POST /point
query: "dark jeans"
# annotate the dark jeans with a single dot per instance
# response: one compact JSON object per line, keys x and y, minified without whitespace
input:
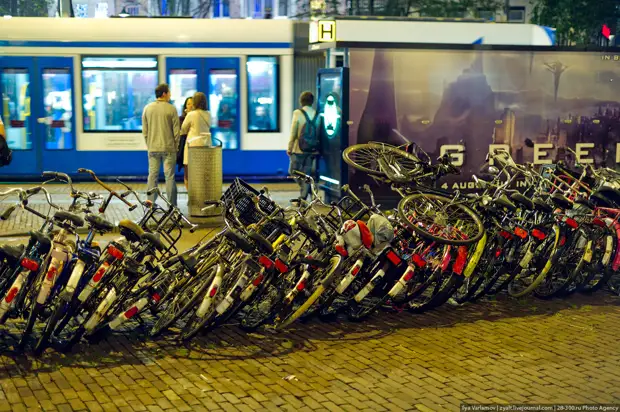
{"x":304,"y":163}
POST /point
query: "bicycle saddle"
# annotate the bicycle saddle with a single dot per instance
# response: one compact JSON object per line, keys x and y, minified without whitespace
{"x":610,"y":193}
{"x":99,"y":223}
{"x":304,"y":227}
{"x":263,"y":244}
{"x":584,"y":201}
{"x":541,"y":205}
{"x":11,"y":253}
{"x":45,"y":243}
{"x":130,"y":230}
{"x":505,"y":202}
{"x":601,"y":200}
{"x":154,"y":240}
{"x":561,"y":201}
{"x":522,"y":200}
{"x":237,"y":239}
{"x":283,"y":225}
{"x":75,"y":220}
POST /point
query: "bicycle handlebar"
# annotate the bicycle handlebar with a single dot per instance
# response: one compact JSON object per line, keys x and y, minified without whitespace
{"x":7,"y":213}
{"x":108,"y":188}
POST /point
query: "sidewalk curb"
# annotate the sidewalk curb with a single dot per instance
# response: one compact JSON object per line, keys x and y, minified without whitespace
{"x":201,"y":222}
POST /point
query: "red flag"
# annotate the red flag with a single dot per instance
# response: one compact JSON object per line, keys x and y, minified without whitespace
{"x":606,"y":31}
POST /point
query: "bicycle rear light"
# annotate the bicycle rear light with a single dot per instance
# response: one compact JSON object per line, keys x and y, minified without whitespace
{"x":538,"y":234}
{"x":265,"y":262}
{"x":29,"y":264}
{"x":281,"y":266}
{"x":341,"y":251}
{"x":505,"y":234}
{"x":115,"y":252}
{"x":258,"y":279}
{"x":520,"y":232}
{"x":393,"y":257}
{"x":572,"y":223}
{"x":418,"y":261}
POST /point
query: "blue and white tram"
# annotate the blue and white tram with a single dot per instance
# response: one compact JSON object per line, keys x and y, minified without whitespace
{"x":72,"y":91}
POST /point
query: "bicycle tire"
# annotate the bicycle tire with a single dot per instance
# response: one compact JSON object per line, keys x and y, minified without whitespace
{"x":334,"y":267}
{"x":402,"y":207}
{"x":570,"y":269}
{"x":194,"y":289}
{"x":544,"y":271}
{"x":407,"y":158}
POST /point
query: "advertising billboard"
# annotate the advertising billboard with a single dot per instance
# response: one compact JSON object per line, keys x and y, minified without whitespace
{"x":449,"y":100}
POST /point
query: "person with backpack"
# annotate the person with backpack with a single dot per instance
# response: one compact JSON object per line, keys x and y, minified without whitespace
{"x":304,"y":144}
{"x":6,"y":154}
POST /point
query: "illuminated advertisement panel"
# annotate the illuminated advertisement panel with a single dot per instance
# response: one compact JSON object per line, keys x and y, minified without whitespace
{"x":450,"y":100}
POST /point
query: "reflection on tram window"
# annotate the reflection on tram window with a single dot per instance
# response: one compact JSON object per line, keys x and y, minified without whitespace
{"x":58,"y":109}
{"x":16,"y":108}
{"x":263,"y":94}
{"x":223,"y":99}
{"x":116,"y":90}
{"x":183,"y":84}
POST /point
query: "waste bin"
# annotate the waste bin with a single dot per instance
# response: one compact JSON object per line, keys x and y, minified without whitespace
{"x":205,"y":174}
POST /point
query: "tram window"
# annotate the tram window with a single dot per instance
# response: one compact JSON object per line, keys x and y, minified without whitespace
{"x":115,"y":91}
{"x":16,"y":108}
{"x":263,"y":94}
{"x":58,"y":104}
{"x":223,"y":98}
{"x":183,"y":84}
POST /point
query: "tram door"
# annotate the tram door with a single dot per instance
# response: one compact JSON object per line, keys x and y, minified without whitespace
{"x":37,"y":102}
{"x":218,"y":79}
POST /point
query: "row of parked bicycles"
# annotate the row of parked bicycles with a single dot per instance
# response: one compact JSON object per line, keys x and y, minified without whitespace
{"x":270,"y":265}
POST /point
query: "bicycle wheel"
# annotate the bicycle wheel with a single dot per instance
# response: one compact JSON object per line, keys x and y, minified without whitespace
{"x":187,"y":297}
{"x":577,"y":253}
{"x":364,"y":157}
{"x":544,"y":257}
{"x":323,"y":277}
{"x":438,"y":218}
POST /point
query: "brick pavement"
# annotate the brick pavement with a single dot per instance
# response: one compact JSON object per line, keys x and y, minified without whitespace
{"x":524,"y":351}
{"x":21,"y":222}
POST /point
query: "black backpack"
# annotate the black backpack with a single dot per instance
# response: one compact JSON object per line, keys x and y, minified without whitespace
{"x":309,"y":135}
{"x":6,"y":154}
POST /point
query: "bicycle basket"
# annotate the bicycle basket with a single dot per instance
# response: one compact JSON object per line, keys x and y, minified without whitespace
{"x":245,"y":207}
{"x":349,"y":208}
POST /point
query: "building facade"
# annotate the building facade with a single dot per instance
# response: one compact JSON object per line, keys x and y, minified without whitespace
{"x":517,"y":11}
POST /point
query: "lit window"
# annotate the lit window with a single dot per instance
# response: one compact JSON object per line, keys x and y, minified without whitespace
{"x":133,"y":10}
{"x":183,"y":85}
{"x":15,"y":94}
{"x":81,"y":10}
{"x":102,"y":10}
{"x":221,"y":8}
{"x":58,"y":105}
{"x":223,"y":99}
{"x":486,"y":14}
{"x":263,"y":94}
{"x":516,"y":15}
{"x":115,"y":91}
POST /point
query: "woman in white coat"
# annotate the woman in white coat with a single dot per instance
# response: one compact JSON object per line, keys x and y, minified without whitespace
{"x":197,"y":126}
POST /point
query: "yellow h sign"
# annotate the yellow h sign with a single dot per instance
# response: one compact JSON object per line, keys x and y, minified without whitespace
{"x":322,"y":31}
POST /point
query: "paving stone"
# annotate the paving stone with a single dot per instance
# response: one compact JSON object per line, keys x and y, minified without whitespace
{"x":501,"y":351}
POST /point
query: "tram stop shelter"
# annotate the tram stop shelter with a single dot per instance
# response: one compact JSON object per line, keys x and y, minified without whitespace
{"x":452,"y":86}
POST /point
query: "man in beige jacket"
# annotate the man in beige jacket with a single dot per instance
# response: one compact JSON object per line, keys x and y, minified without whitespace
{"x":160,"y":127}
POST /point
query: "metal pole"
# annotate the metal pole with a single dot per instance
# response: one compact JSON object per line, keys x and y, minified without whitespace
{"x":345,"y":58}
{"x":65,"y":8}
